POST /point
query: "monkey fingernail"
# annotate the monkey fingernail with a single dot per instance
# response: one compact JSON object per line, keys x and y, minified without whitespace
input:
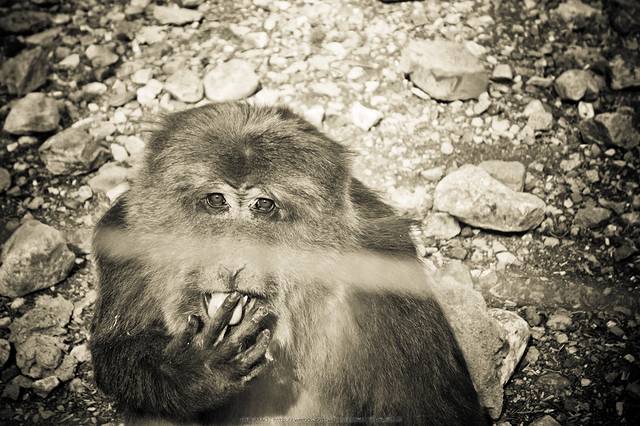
{"x":221,"y":336}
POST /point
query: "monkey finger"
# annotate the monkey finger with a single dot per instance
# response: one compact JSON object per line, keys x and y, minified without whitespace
{"x":180,"y":342}
{"x":220,"y":319}
{"x":257,"y":370}
{"x":247,"y":359}
{"x":248,"y":328}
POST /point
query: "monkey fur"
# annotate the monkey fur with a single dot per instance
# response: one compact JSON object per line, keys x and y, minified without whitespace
{"x":254,"y":201}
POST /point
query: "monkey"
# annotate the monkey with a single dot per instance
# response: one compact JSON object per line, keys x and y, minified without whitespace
{"x":247,"y":274}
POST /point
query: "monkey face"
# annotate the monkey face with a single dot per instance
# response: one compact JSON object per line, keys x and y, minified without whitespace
{"x":241,"y":171}
{"x":242,"y":185}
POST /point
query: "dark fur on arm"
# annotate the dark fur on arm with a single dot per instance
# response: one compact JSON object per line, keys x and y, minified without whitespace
{"x":129,"y":345}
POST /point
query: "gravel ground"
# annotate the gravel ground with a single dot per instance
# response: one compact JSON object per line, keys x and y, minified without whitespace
{"x":574,"y":277}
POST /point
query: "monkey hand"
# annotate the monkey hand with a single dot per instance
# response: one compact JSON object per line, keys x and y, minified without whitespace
{"x":227,"y":357}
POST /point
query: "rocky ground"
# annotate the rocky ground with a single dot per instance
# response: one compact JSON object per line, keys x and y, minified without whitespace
{"x":514,"y":140}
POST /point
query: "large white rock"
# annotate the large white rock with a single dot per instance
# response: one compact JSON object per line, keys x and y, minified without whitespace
{"x":36,"y":256}
{"x":231,"y":81}
{"x":492,"y":341}
{"x":36,"y":112}
{"x":175,"y":15}
{"x":185,"y":86}
{"x":444,"y":69}
{"x":473,"y":196}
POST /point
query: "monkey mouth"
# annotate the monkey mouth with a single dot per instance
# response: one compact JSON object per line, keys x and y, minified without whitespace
{"x":213,"y":301}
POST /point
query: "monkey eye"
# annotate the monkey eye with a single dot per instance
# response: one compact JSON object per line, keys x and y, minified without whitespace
{"x":263,"y":205}
{"x":216,"y":200}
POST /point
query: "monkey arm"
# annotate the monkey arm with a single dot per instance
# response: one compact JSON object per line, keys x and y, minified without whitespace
{"x":151,"y":372}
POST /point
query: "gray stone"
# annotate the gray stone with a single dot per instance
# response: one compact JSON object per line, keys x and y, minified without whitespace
{"x":540,"y":120}
{"x":517,"y":337}
{"x":474,"y":197}
{"x":36,"y":112}
{"x":502,"y":73}
{"x":445,"y":70}
{"x":173,"y":15}
{"x":560,"y":320}
{"x":72,"y":151}
{"x":109,"y":176}
{"x":49,"y":316}
{"x":623,"y":74}
{"x":101,"y":56}
{"x":619,"y":129}
{"x":5,"y":351}
{"x":574,"y":85}
{"x":185,"y":86}
{"x":553,"y":382}
{"x":5,"y":179}
{"x":488,"y":348}
{"x":24,"y":22}
{"x":441,"y":226}
{"x":67,"y":368}
{"x":510,"y":173}
{"x":545,"y":420}
{"x":230,"y":81}
{"x":571,"y":10}
{"x":43,"y":387}
{"x":81,"y":353}
{"x":34,"y":257}
{"x":26,"y":72}
{"x":363,"y":117}
{"x":592,"y":217}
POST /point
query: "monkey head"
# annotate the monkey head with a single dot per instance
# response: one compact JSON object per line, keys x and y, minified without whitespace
{"x":250,"y":179}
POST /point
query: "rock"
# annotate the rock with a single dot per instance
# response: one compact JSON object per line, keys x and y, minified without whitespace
{"x":118,"y":152}
{"x":624,"y":75}
{"x":314,"y":115}
{"x":532,"y":356}
{"x":151,"y":34}
{"x":532,"y":107}
{"x":147,"y":93}
{"x":43,"y":387}
{"x":136,"y":7}
{"x":174,"y":15}
{"x":553,"y":382}
{"x":571,"y":10}
{"x":441,"y":226}
{"x":101,"y":56}
{"x":363,"y":117}
{"x":434,"y":174}
{"x":502,"y":73}
{"x":259,"y":40}
{"x":24,"y":22}
{"x":81,"y":353}
{"x":36,"y":112}
{"x":415,"y":201}
{"x":5,"y":351}
{"x":585,"y":110}
{"x":546,"y":420}
{"x":230,"y":81}
{"x":619,"y":129}
{"x":71,"y":62}
{"x":26,"y":72}
{"x":517,"y":336}
{"x":133,"y":144}
{"x":38,"y":337}
{"x":185,"y":86}
{"x":71,"y":151}
{"x":326,"y":88}
{"x":475,"y":198}
{"x":67,"y":368}
{"x":109,"y":176}
{"x":574,"y":85}
{"x":443,"y":69}
{"x":142,"y":76}
{"x":34,"y":257}
{"x":510,"y":173}
{"x":591,"y":217}
{"x":5,"y":179}
{"x":484,"y":342}
{"x":540,"y":120}
{"x":560,"y":321}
